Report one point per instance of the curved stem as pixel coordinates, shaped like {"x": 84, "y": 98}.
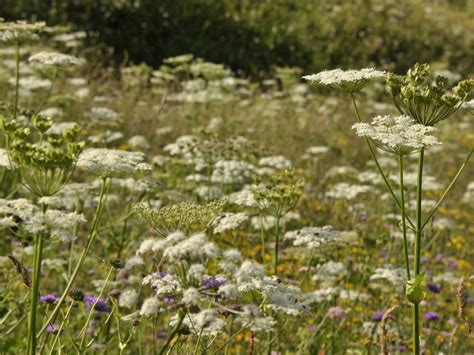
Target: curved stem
{"x": 83, "y": 331}
{"x": 372, "y": 153}
{"x": 404, "y": 226}
{"x": 450, "y": 186}
{"x": 89, "y": 242}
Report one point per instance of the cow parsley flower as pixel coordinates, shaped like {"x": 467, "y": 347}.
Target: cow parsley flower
{"x": 112, "y": 163}
{"x": 150, "y": 307}
{"x": 348, "y": 81}
{"x": 20, "y": 31}
{"x": 347, "y": 191}
{"x": 5, "y": 161}
{"x": 205, "y": 323}
{"x": 195, "y": 248}
{"x": 255, "y": 319}
{"x": 53, "y": 59}
{"x": 393, "y": 276}
{"x": 397, "y": 134}
{"x": 314, "y": 237}
{"x": 278, "y": 162}
{"x": 191, "y": 296}
{"x": 229, "y": 221}
{"x": 128, "y": 298}
{"x": 163, "y": 284}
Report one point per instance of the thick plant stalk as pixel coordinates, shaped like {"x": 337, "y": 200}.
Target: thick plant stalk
{"x": 38, "y": 250}
{"x": 89, "y": 242}
{"x": 404, "y": 226}
{"x": 277, "y": 242}
{"x": 34, "y": 292}
{"x": 419, "y": 232}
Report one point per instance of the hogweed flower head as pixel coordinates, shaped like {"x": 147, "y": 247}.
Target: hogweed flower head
{"x": 397, "y": 134}
{"x": 48, "y": 63}
{"x": 425, "y": 100}
{"x": 45, "y": 165}
{"x": 280, "y": 194}
{"x": 20, "y": 32}
{"x": 346, "y": 81}
{"x": 113, "y": 163}
{"x": 186, "y": 216}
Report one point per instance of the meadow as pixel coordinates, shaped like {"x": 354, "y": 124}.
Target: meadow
{"x": 187, "y": 209}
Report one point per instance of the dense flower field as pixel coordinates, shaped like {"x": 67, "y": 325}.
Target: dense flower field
{"x": 187, "y": 210}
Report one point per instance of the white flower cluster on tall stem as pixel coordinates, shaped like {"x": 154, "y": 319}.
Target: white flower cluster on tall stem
{"x": 54, "y": 59}
{"x": 397, "y": 134}
{"x": 113, "y": 163}
{"x": 314, "y": 237}
{"x": 345, "y": 80}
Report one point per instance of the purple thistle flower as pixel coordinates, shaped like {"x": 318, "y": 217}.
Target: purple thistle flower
{"x": 378, "y": 316}
{"x": 53, "y": 328}
{"x": 431, "y": 316}
{"x": 434, "y": 288}
{"x": 214, "y": 282}
{"x": 336, "y": 313}
{"x": 100, "y": 306}
{"x": 49, "y": 298}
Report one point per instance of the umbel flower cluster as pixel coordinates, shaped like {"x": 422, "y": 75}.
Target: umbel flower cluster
{"x": 187, "y": 216}
{"x": 345, "y": 80}
{"x": 397, "y": 134}
{"x": 45, "y": 164}
{"x": 425, "y": 100}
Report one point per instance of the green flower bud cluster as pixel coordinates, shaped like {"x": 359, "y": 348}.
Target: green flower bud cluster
{"x": 46, "y": 164}
{"x": 426, "y": 100}
{"x": 280, "y": 193}
{"x": 414, "y": 289}
{"x": 188, "y": 217}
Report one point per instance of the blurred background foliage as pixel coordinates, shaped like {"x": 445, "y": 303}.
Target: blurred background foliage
{"x": 252, "y": 37}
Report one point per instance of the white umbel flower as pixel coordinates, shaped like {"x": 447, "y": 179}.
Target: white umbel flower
{"x": 5, "y": 161}
{"x": 347, "y": 191}
{"x": 112, "y": 163}
{"x": 53, "y": 59}
{"x": 345, "y": 80}
{"x": 128, "y": 298}
{"x": 150, "y": 307}
{"x": 229, "y": 221}
{"x": 314, "y": 237}
{"x": 397, "y": 134}
{"x": 191, "y": 296}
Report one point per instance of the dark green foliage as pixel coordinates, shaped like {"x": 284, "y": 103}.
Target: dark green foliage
{"x": 253, "y": 36}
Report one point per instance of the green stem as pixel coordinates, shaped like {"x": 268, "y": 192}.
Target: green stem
{"x": 38, "y": 249}
{"x": 277, "y": 242}
{"x": 433, "y": 211}
{"x": 17, "y": 79}
{"x": 372, "y": 153}
{"x": 416, "y": 329}
{"x": 419, "y": 231}
{"x": 173, "y": 333}
{"x": 419, "y": 228}
{"x": 34, "y": 293}
{"x": 56, "y": 338}
{"x": 83, "y": 331}
{"x": 89, "y": 242}
{"x": 404, "y": 226}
